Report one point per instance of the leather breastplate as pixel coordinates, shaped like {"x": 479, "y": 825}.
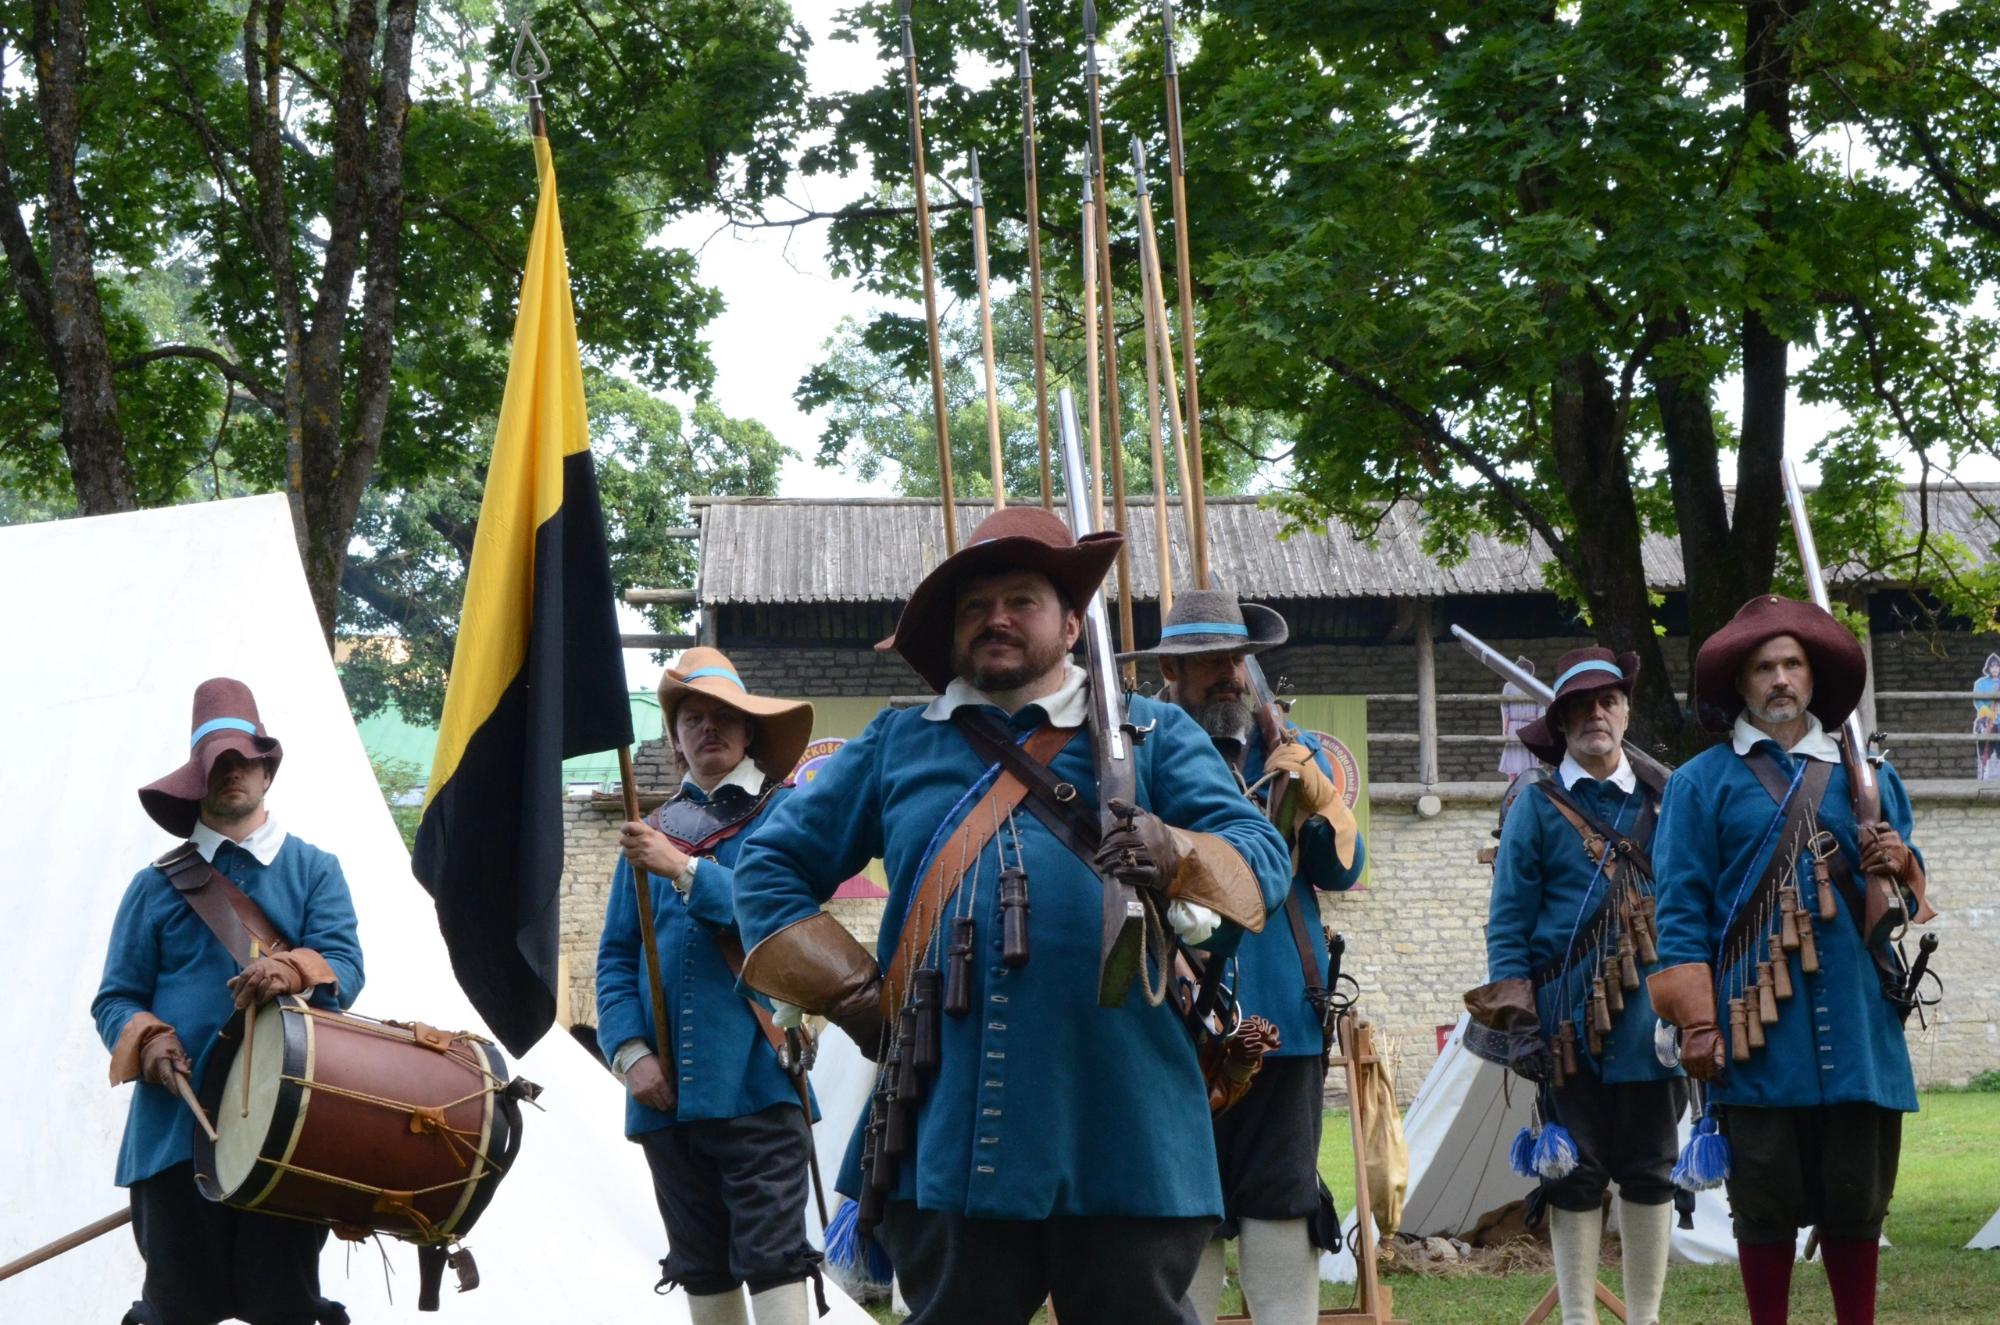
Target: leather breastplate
{"x": 699, "y": 826}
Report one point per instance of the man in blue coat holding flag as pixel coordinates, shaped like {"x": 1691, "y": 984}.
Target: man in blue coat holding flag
{"x": 1028, "y": 1142}
{"x": 1758, "y": 855}
{"x": 719, "y": 1115}
{"x": 1267, "y": 1141}
{"x": 1568, "y": 941}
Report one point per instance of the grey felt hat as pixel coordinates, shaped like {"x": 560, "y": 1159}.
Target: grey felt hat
{"x": 1213, "y": 621}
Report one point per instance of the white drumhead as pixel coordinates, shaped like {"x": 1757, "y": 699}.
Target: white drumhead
{"x": 240, "y": 1136}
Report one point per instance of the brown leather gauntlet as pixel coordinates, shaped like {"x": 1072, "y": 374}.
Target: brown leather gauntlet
{"x": 817, "y": 965}
{"x": 141, "y": 1046}
{"x": 1508, "y": 1006}
{"x": 1212, "y": 873}
{"x": 1684, "y": 996}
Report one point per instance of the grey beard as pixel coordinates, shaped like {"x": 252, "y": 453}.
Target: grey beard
{"x": 1764, "y": 714}
{"x": 1227, "y": 722}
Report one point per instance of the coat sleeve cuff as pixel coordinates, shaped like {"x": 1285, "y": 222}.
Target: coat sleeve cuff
{"x": 1214, "y": 874}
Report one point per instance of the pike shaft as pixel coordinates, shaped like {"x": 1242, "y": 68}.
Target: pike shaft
{"x": 1090, "y": 366}
{"x": 940, "y": 411}
{"x": 996, "y": 465}
{"x": 1034, "y": 208}
{"x": 1156, "y": 318}
{"x": 1113, "y": 418}
{"x": 1162, "y": 544}
{"x": 1197, "y": 496}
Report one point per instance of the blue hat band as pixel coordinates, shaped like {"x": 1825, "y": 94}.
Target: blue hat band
{"x": 1205, "y": 628}
{"x": 1587, "y": 665}
{"x": 722, "y": 672}
{"x": 214, "y": 725}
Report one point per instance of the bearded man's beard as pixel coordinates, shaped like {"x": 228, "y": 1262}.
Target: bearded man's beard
{"x": 1039, "y": 657}
{"x": 1228, "y": 724}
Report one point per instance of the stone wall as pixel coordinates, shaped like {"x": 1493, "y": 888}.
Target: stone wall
{"x": 1416, "y": 938}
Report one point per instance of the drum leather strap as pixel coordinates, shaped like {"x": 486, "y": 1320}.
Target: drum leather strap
{"x": 230, "y": 915}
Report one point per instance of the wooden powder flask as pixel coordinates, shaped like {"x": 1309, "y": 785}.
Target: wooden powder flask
{"x": 1767, "y": 994}
{"x": 1593, "y": 1037}
{"x": 1739, "y": 1032}
{"x": 1600, "y": 1012}
{"x": 1567, "y": 1045}
{"x": 925, "y": 995}
{"x": 1628, "y": 967}
{"x": 898, "y": 1127}
{"x": 1614, "y": 995}
{"x": 1781, "y": 968}
{"x": 909, "y": 1082}
{"x": 1808, "y": 949}
{"x": 1753, "y": 1025}
{"x": 1788, "y": 913}
{"x": 1645, "y": 934}
{"x": 958, "y": 968}
{"x": 1823, "y": 887}
{"x": 1013, "y": 917}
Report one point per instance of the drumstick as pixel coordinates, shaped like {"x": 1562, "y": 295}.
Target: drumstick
{"x": 249, "y": 1040}
{"x": 194, "y": 1106}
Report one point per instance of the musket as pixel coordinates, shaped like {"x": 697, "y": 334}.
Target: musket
{"x": 940, "y": 411}
{"x": 1197, "y": 494}
{"x": 1155, "y": 299}
{"x": 1107, "y": 293}
{"x": 1162, "y": 545}
{"x": 1648, "y": 769}
{"x": 1886, "y": 907}
{"x": 1122, "y": 935}
{"x": 995, "y": 465}
{"x": 1034, "y": 206}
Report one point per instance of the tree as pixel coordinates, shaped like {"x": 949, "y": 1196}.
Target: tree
{"x": 349, "y": 203}
{"x": 404, "y": 585}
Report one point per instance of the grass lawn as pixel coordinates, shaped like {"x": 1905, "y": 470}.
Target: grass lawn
{"x": 1948, "y": 1187}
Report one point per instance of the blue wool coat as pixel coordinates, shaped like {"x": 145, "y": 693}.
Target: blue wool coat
{"x": 1270, "y": 983}
{"x": 726, "y": 1067}
{"x": 1045, "y": 1104}
{"x": 164, "y": 960}
{"x": 1836, "y": 1040}
{"x": 1545, "y": 886}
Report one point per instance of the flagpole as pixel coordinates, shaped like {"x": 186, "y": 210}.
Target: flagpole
{"x": 995, "y": 465}
{"x": 649, "y": 941}
{"x": 1034, "y": 207}
{"x": 940, "y": 411}
{"x": 1177, "y": 178}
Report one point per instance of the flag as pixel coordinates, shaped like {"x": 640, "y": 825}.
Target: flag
{"x": 537, "y": 674}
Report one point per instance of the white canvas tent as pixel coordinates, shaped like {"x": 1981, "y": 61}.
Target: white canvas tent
{"x": 114, "y": 620}
{"x": 1459, "y": 1128}
{"x": 1987, "y": 1238}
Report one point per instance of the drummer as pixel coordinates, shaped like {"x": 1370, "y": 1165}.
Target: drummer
{"x": 170, "y": 985}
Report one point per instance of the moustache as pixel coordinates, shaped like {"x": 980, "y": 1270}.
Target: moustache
{"x": 1007, "y": 637}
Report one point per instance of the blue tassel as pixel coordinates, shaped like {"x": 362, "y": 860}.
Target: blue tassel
{"x": 1705, "y": 1161}
{"x": 852, "y": 1251}
{"x": 1555, "y": 1152}
{"x": 1521, "y": 1158}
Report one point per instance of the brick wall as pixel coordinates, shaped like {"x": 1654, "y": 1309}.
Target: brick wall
{"x": 1416, "y": 938}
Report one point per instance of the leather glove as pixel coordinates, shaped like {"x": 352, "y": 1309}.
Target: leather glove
{"x": 290, "y": 972}
{"x": 1141, "y": 851}
{"x": 161, "y": 1057}
{"x": 648, "y": 1083}
{"x": 1315, "y": 791}
{"x": 1528, "y": 1057}
{"x": 1684, "y": 995}
{"x": 860, "y": 1015}
{"x": 1702, "y": 1055}
{"x": 1883, "y": 851}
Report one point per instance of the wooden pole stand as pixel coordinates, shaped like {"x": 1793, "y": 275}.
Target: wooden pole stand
{"x": 1354, "y": 1043}
{"x": 1547, "y": 1305}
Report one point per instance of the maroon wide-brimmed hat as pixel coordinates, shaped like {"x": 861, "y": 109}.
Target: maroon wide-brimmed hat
{"x": 1578, "y": 672}
{"x": 225, "y": 718}
{"x": 1010, "y": 539}
{"x": 1840, "y": 668}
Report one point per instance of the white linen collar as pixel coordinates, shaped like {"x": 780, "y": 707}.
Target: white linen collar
{"x": 1815, "y": 744}
{"x": 1621, "y": 777}
{"x": 263, "y": 842}
{"x": 1069, "y": 706}
{"x": 745, "y": 775}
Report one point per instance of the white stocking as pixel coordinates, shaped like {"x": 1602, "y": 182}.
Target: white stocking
{"x": 1577, "y": 1237}
{"x": 1644, "y": 1230}
{"x": 1206, "y": 1290}
{"x": 1280, "y": 1269}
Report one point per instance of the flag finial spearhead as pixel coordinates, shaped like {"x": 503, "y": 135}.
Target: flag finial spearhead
{"x": 1139, "y": 164}
{"x": 909, "y": 41}
{"x": 978, "y": 189}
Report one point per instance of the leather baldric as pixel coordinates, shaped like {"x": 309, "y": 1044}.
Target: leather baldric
{"x": 230, "y": 915}
{"x": 1607, "y": 847}
{"x": 1790, "y": 839}
{"x": 942, "y": 877}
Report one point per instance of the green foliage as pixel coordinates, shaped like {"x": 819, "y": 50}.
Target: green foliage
{"x": 399, "y": 780}
{"x": 405, "y": 579}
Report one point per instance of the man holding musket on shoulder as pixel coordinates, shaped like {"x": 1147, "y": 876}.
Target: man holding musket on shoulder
{"x": 1761, "y": 865}
{"x": 1568, "y": 939}
{"x": 1028, "y": 1139}
{"x": 1267, "y": 1141}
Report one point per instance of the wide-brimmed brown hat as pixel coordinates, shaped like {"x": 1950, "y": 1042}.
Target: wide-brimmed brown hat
{"x": 1215, "y": 621}
{"x": 1014, "y": 538}
{"x": 783, "y": 727}
{"x": 225, "y": 718}
{"x": 1840, "y": 668}
{"x": 1578, "y": 672}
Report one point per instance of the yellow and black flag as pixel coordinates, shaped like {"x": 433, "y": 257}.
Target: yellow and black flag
{"x": 537, "y": 675}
